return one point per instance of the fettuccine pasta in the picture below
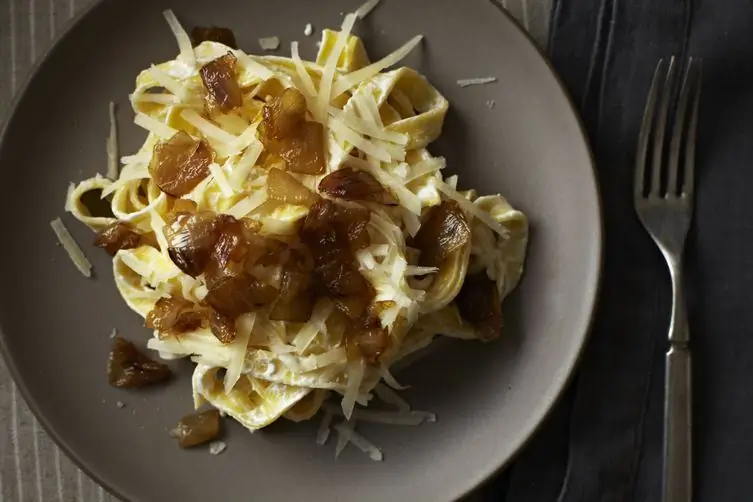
(285, 227)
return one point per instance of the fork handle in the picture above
(678, 486)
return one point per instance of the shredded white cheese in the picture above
(471, 208)
(217, 447)
(389, 396)
(219, 177)
(389, 379)
(465, 82)
(238, 349)
(359, 442)
(269, 43)
(366, 8)
(184, 43)
(168, 82)
(71, 247)
(355, 372)
(352, 79)
(207, 128)
(308, 30)
(344, 433)
(411, 418)
(368, 128)
(303, 74)
(112, 146)
(326, 82)
(369, 147)
(154, 126)
(322, 434)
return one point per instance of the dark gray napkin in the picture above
(603, 441)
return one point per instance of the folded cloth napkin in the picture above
(603, 442)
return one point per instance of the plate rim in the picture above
(592, 302)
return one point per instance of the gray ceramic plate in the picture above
(489, 398)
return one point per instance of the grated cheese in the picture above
(184, 43)
(154, 126)
(390, 380)
(308, 30)
(412, 418)
(217, 447)
(308, 332)
(425, 167)
(168, 82)
(355, 372)
(112, 146)
(245, 163)
(238, 351)
(255, 67)
(325, 84)
(208, 129)
(414, 270)
(368, 108)
(322, 434)
(308, 83)
(359, 442)
(366, 8)
(159, 98)
(411, 221)
(407, 198)
(354, 78)
(269, 43)
(389, 396)
(219, 177)
(369, 128)
(368, 147)
(71, 247)
(465, 82)
(344, 433)
(471, 208)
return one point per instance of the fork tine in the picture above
(678, 129)
(688, 182)
(660, 130)
(648, 118)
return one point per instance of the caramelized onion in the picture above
(231, 246)
(117, 236)
(221, 83)
(295, 301)
(304, 153)
(222, 326)
(444, 231)
(174, 315)
(349, 184)
(286, 133)
(479, 304)
(239, 293)
(127, 367)
(372, 342)
(327, 231)
(198, 428)
(180, 163)
(191, 239)
(223, 36)
(283, 187)
(284, 114)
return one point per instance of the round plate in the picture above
(489, 397)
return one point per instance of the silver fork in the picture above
(663, 196)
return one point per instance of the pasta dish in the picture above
(285, 227)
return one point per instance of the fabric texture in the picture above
(604, 441)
